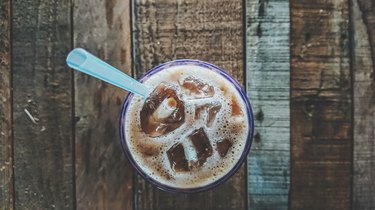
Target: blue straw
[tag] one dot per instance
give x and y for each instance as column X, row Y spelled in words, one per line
column 83, row 61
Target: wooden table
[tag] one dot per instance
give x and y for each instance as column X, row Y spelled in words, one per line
column 308, row 67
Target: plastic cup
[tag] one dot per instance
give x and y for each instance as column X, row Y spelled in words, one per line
column 235, row 167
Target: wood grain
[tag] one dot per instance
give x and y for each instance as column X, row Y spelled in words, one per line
column 200, row 29
column 321, row 106
column 42, row 105
column 267, row 73
column 363, row 32
column 6, row 148
column 103, row 176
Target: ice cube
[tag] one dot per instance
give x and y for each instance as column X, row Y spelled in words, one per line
column 223, row 146
column 162, row 111
column 165, row 109
column 177, row 160
column 208, row 112
column 195, row 88
column 201, row 145
column 190, row 154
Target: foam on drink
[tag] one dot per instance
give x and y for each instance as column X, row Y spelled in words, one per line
column 192, row 131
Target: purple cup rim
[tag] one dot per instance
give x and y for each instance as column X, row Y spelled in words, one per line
column 236, row 166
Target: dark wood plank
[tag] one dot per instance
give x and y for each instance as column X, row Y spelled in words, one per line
column 363, row 37
column 42, row 105
column 103, row 176
column 206, row 30
column 267, row 72
column 6, row 148
column 321, row 106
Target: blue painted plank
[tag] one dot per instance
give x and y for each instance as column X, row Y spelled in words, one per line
column 268, row 71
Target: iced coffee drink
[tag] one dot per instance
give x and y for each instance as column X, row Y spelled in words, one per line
column 194, row 129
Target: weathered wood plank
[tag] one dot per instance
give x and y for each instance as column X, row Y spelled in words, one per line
column 201, row 29
column 42, row 105
column 103, row 176
column 6, row 146
column 267, row 72
column 363, row 39
column 321, row 106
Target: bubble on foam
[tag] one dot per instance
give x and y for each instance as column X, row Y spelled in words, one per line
column 159, row 167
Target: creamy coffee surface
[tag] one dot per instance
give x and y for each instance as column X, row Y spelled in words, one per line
column 191, row 130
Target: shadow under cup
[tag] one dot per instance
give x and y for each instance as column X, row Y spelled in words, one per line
column 248, row 142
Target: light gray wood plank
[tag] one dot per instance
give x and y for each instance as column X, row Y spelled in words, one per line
column 363, row 30
column 6, row 145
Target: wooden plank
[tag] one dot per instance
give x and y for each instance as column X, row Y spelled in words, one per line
column 321, row 106
column 103, row 177
column 6, row 149
column 363, row 39
column 202, row 29
column 267, row 73
column 42, row 105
